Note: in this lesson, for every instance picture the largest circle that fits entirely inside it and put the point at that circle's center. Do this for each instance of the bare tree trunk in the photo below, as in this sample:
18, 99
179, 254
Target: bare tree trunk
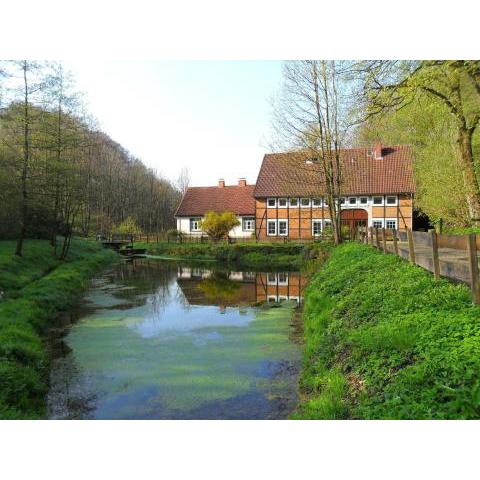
26, 158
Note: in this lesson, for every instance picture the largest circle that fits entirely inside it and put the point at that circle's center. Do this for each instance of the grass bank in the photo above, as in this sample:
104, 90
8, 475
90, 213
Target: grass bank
254, 255
35, 289
385, 341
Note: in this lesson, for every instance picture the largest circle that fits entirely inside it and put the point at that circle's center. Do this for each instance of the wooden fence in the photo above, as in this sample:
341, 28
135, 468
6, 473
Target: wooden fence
451, 256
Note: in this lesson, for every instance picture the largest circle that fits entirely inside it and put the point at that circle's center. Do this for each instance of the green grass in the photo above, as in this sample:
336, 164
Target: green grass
385, 341
37, 287
261, 255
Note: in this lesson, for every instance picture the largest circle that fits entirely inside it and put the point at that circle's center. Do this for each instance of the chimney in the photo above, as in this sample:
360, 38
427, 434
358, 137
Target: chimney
377, 150
221, 183
242, 182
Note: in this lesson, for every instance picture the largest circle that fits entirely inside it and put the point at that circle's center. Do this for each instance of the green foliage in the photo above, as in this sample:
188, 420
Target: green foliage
260, 255
384, 340
128, 226
37, 287
217, 225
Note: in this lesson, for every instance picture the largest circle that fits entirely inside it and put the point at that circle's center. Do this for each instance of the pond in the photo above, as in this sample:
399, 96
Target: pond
155, 339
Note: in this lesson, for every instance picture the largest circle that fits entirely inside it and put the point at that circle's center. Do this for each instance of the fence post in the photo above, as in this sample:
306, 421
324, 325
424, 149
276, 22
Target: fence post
395, 244
371, 235
411, 247
384, 241
436, 259
473, 261
377, 239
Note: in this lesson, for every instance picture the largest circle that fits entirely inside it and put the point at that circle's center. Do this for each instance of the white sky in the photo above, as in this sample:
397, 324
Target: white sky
212, 117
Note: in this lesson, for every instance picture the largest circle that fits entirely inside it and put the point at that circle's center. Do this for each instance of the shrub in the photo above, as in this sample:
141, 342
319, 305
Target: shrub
217, 225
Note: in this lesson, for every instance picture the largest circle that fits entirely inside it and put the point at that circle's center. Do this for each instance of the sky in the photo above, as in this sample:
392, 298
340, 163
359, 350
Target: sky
214, 117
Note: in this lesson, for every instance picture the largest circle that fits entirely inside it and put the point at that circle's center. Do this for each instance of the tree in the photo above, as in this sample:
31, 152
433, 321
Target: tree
217, 225
311, 119
23, 121
183, 180
128, 226
428, 127
453, 84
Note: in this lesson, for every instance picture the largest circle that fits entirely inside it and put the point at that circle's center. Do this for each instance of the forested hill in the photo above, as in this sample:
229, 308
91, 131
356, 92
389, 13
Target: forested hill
59, 174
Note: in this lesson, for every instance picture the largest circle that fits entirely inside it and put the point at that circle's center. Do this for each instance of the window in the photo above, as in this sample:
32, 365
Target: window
391, 223
282, 202
271, 278
317, 202
283, 227
195, 224
272, 299
327, 225
377, 223
378, 200
305, 202
316, 227
352, 200
341, 200
294, 202
271, 202
282, 278
271, 227
363, 200
391, 200
248, 224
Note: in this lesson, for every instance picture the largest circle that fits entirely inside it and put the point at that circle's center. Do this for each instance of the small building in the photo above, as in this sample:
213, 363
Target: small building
197, 201
288, 200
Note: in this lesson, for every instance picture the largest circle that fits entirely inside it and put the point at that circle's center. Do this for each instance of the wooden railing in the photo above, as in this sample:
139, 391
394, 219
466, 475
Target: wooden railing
451, 256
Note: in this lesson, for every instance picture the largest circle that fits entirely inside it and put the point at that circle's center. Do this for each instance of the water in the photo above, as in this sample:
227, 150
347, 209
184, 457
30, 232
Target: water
155, 339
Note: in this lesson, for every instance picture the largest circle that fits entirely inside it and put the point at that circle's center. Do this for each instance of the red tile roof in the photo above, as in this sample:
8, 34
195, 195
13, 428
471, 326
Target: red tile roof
199, 200
288, 174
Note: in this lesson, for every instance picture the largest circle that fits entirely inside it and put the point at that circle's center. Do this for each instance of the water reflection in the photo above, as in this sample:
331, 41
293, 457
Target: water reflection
155, 339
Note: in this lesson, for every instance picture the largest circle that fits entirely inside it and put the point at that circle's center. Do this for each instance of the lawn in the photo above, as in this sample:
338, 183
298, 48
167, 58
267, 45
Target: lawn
384, 340
254, 255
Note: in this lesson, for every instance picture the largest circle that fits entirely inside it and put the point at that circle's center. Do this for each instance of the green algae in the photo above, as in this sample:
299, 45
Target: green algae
178, 360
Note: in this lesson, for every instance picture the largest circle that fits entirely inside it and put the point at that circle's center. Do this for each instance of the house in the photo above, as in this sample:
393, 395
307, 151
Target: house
197, 201
377, 191
288, 200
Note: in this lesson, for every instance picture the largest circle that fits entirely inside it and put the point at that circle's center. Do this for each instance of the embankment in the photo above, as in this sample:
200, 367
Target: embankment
385, 341
35, 289
254, 255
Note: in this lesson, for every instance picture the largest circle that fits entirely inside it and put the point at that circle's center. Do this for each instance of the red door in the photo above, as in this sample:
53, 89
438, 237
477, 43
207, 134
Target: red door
353, 218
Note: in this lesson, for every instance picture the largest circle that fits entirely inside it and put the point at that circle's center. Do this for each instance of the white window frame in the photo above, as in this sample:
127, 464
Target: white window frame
248, 219
360, 200
197, 221
326, 223
354, 203
380, 220
320, 202
377, 204
285, 280
340, 202
268, 230
309, 202
271, 281
290, 202
278, 227
286, 202
272, 299
391, 204
274, 202
391, 220
317, 220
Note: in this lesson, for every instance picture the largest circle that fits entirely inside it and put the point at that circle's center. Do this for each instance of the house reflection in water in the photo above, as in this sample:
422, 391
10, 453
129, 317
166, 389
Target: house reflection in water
227, 289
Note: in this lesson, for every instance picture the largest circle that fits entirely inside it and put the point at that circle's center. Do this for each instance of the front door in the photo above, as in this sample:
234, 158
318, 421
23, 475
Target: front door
353, 218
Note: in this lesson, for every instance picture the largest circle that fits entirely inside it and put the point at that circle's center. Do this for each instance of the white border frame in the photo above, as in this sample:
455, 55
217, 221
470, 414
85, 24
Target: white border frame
275, 223
278, 227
